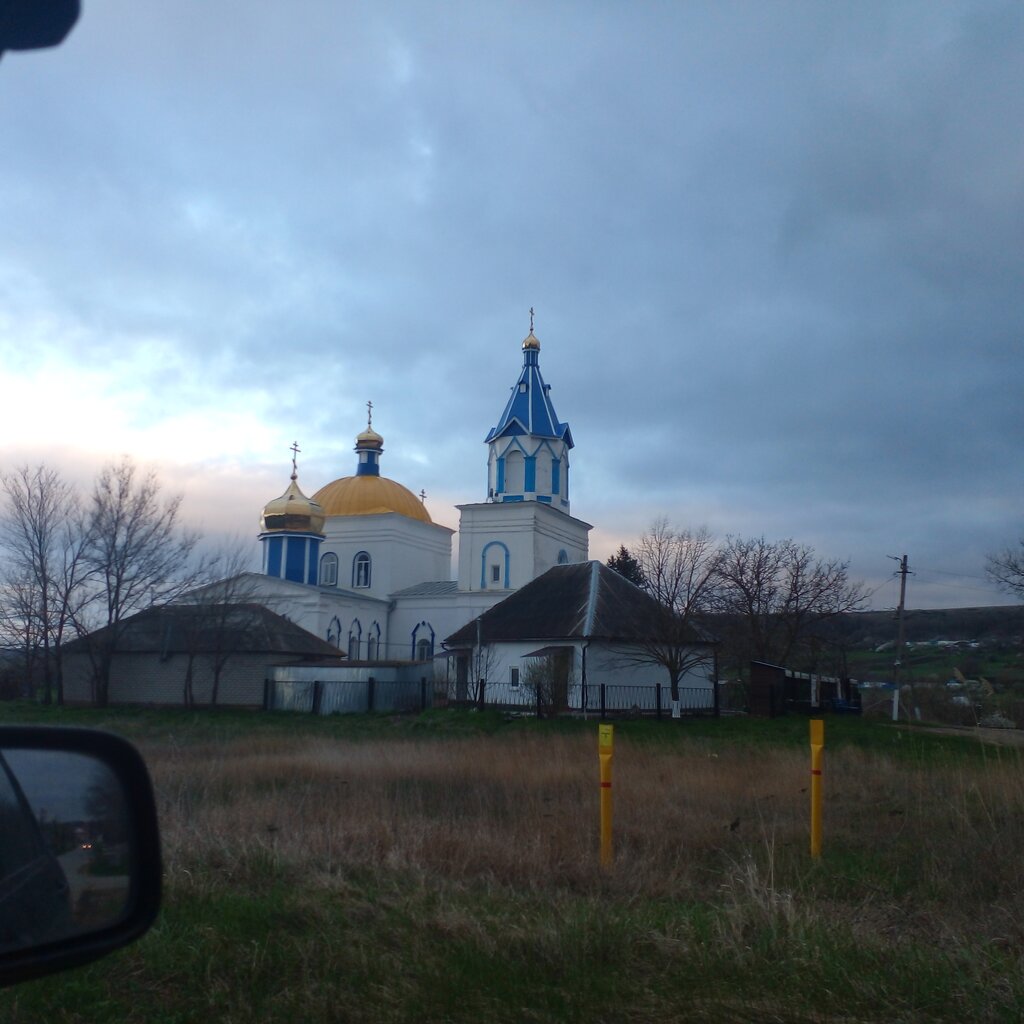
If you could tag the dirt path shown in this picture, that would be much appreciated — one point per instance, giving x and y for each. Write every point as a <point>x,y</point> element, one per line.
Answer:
<point>999,737</point>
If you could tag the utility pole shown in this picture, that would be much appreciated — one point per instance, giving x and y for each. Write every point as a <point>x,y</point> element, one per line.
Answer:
<point>903,573</point>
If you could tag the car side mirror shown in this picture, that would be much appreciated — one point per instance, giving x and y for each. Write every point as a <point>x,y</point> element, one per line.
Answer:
<point>79,848</point>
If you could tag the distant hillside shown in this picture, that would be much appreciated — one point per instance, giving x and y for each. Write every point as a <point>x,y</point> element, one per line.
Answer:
<point>1003,624</point>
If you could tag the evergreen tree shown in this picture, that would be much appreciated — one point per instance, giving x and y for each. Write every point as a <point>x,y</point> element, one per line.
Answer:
<point>626,565</point>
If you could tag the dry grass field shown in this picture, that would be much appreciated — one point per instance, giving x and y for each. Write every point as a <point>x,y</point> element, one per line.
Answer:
<point>398,874</point>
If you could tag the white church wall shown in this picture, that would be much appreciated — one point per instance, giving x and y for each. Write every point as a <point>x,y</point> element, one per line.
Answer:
<point>444,614</point>
<point>522,539</point>
<point>403,551</point>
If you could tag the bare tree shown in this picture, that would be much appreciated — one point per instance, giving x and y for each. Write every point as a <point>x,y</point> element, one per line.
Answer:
<point>223,623</point>
<point>41,533</point>
<point>1006,570</point>
<point>774,596</point>
<point>680,570</point>
<point>19,628</point>
<point>138,554</point>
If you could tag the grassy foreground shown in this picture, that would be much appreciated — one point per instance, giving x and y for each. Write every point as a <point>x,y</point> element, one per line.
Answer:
<point>443,868</point>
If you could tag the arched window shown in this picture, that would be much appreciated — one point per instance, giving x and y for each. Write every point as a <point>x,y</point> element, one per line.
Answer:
<point>329,570</point>
<point>334,632</point>
<point>355,634</point>
<point>494,566</point>
<point>563,557</point>
<point>373,642</point>
<point>361,570</point>
<point>515,472</point>
<point>423,642</point>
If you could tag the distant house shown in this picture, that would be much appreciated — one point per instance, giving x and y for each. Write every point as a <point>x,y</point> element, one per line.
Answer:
<point>158,651</point>
<point>577,627</point>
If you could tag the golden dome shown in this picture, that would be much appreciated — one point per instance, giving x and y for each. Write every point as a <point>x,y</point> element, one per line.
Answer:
<point>293,511</point>
<point>530,341</point>
<point>369,438</point>
<point>370,495</point>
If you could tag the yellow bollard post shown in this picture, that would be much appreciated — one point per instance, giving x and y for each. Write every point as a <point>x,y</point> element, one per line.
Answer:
<point>604,752</point>
<point>817,758</point>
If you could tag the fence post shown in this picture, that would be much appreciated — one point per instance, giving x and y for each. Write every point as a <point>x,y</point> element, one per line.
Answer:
<point>657,700</point>
<point>423,693</point>
<point>604,748</point>
<point>369,693</point>
<point>318,696</point>
<point>480,694</point>
<point>817,759</point>
<point>602,702</point>
<point>714,686</point>
<point>537,690</point>
<point>267,694</point>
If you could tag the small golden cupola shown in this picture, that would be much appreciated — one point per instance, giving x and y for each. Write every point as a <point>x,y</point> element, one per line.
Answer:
<point>291,528</point>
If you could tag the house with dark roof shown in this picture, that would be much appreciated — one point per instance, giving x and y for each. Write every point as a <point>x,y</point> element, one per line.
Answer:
<point>578,628</point>
<point>226,651</point>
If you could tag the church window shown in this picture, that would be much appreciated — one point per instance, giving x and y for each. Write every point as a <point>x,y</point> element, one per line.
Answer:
<point>522,387</point>
<point>423,650</point>
<point>361,570</point>
<point>515,472</point>
<point>371,648</point>
<point>563,557</point>
<point>329,570</point>
<point>495,573</point>
<point>513,677</point>
<point>555,478</point>
<point>353,647</point>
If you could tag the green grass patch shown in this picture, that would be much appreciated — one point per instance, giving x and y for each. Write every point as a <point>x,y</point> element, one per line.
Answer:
<point>442,868</point>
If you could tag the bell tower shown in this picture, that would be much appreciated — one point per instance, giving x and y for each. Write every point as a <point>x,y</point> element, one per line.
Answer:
<point>524,526</point>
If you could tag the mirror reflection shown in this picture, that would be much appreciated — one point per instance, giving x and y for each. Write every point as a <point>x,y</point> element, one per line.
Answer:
<point>65,856</point>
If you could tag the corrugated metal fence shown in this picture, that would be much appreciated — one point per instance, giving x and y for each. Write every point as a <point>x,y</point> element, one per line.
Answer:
<point>604,700</point>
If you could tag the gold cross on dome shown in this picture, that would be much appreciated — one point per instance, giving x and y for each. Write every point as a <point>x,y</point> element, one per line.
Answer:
<point>369,415</point>
<point>531,319</point>
<point>295,449</point>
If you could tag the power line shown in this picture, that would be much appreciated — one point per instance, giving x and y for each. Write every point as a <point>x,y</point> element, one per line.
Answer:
<point>958,575</point>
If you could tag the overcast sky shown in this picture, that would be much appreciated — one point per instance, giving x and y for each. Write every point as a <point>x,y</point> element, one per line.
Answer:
<point>774,249</point>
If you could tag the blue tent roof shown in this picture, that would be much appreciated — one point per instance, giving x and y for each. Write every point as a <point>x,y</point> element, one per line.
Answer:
<point>529,409</point>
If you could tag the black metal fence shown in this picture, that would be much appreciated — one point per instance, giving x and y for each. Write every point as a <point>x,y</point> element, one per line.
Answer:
<point>605,700</point>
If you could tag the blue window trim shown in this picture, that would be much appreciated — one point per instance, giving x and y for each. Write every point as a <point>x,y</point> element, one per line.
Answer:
<point>295,559</point>
<point>275,547</point>
<point>483,563</point>
<point>313,562</point>
<point>530,473</point>
<point>416,638</point>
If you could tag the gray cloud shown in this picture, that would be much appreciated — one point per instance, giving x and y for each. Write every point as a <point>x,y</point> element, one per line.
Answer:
<point>774,248</point>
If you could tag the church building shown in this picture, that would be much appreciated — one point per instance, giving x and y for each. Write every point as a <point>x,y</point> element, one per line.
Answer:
<point>362,565</point>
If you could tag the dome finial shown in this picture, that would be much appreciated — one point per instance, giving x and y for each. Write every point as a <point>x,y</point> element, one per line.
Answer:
<point>530,342</point>
<point>295,449</point>
<point>369,415</point>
